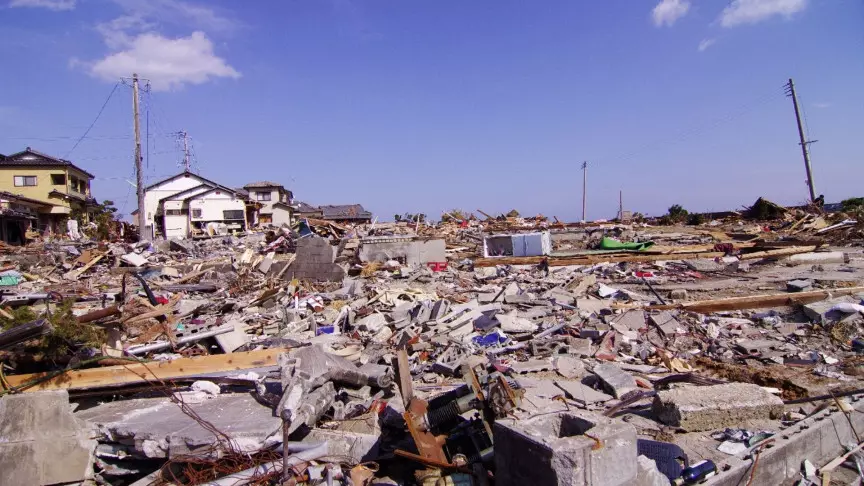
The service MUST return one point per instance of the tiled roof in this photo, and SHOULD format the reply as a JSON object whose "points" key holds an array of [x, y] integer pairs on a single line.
{"points": [[345, 211], [303, 207], [262, 184], [30, 157]]}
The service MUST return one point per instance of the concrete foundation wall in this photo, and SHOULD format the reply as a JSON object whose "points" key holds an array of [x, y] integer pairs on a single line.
{"points": [[415, 253]]}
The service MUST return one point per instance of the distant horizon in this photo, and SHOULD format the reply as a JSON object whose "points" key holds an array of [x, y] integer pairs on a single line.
{"points": [[428, 107]]}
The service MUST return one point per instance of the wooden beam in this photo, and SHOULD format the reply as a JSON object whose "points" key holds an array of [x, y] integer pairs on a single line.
{"points": [[759, 301], [590, 259], [152, 371], [779, 252]]}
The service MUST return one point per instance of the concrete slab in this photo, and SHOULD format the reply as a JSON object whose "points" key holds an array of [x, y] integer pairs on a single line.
{"points": [[698, 408], [41, 442], [159, 429], [583, 394], [615, 380]]}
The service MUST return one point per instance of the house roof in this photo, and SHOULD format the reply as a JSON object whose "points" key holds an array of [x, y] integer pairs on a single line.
{"points": [[345, 211], [253, 185], [184, 174], [303, 207], [220, 188], [186, 191], [31, 158], [18, 197], [71, 195]]}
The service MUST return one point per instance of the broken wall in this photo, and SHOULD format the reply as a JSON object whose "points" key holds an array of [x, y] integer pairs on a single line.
{"points": [[414, 252], [314, 261]]}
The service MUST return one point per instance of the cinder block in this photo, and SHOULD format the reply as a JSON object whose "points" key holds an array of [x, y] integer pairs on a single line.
{"points": [[562, 450]]}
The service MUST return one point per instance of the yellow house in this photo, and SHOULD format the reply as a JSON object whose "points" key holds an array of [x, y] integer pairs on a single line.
{"points": [[61, 184]]}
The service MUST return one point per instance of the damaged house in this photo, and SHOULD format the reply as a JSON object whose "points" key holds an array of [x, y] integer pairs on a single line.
{"points": [[187, 204], [275, 203], [62, 187]]}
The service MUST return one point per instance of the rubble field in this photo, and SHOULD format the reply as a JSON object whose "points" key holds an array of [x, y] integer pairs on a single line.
{"points": [[729, 352]]}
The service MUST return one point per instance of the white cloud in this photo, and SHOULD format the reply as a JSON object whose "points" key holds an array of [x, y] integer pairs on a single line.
{"points": [[179, 12], [55, 5], [667, 12], [741, 12], [706, 43], [168, 63]]}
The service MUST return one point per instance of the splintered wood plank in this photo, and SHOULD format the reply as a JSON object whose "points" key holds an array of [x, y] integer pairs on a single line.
{"points": [[759, 301], [150, 371]]}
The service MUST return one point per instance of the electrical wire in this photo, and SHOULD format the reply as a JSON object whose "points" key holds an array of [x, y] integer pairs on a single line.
{"points": [[94, 121]]}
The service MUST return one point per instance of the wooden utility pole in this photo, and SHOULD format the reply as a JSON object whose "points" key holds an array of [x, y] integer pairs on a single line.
{"points": [[139, 175], [584, 187], [790, 91]]}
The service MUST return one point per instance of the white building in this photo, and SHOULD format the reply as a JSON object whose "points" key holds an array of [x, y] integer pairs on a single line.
{"points": [[184, 204], [275, 201]]}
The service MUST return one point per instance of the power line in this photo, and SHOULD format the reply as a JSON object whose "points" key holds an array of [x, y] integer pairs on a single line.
{"points": [[94, 121]]}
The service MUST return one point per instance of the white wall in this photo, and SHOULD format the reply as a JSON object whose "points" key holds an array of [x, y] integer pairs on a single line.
{"points": [[152, 196], [281, 216], [176, 226], [212, 206]]}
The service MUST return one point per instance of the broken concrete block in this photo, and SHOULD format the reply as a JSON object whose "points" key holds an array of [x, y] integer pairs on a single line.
{"points": [[698, 408], [615, 380], [569, 366], [531, 366], [352, 447], [678, 294], [511, 323], [41, 442], [525, 298], [181, 246], [583, 394], [633, 320], [820, 312], [134, 259], [666, 322], [799, 285], [371, 323], [232, 340], [556, 450], [582, 347], [705, 265], [647, 473]]}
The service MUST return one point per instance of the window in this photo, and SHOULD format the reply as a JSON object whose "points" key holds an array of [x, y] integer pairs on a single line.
{"points": [[58, 179], [21, 181], [262, 196], [82, 186], [176, 212], [196, 213], [234, 214]]}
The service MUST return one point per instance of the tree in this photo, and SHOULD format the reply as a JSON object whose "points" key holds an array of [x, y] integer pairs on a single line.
{"points": [[677, 213], [105, 217]]}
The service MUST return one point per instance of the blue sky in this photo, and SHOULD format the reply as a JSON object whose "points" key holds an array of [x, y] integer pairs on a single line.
{"points": [[428, 105]]}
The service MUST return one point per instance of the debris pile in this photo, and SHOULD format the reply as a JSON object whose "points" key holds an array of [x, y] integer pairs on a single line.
{"points": [[408, 353]]}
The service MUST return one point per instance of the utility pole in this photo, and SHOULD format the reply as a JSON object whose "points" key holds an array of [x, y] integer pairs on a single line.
{"points": [[620, 206], [185, 137], [139, 174], [584, 187], [790, 91]]}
